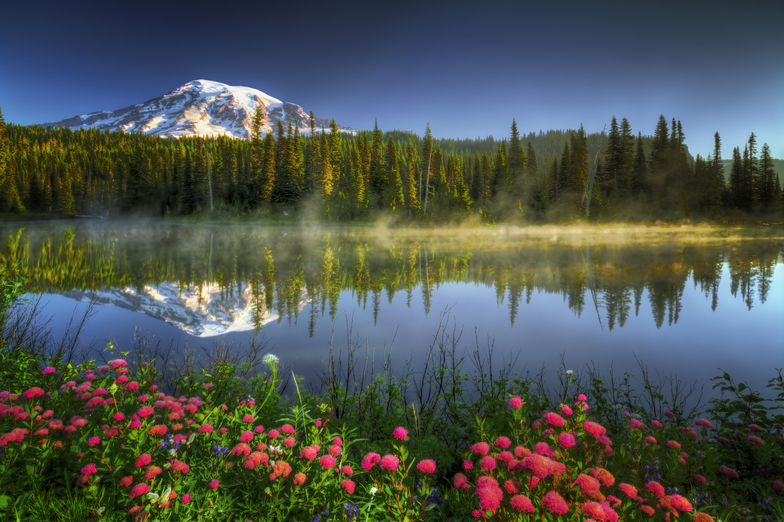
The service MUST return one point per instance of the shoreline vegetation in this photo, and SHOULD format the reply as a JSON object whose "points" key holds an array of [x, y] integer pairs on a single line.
{"points": [[223, 434]]}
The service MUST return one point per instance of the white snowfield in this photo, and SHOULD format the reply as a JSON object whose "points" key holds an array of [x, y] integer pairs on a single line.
{"points": [[201, 311], [200, 107]]}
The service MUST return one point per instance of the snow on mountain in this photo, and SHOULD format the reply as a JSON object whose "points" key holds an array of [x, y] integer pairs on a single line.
{"points": [[200, 107], [202, 311]]}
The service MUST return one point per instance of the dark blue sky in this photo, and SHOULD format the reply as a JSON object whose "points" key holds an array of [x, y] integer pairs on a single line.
{"points": [[467, 68]]}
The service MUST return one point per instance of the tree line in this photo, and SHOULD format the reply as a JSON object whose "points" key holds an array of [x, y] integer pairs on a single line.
{"points": [[544, 177]]}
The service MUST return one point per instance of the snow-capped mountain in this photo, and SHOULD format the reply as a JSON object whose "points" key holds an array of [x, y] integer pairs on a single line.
{"points": [[200, 107], [202, 311]]}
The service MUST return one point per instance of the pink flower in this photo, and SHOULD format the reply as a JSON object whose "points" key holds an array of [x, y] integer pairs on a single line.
{"points": [[48, 370], [673, 444], [370, 460], [542, 448], [755, 441], [348, 485], [327, 461], [506, 456], [755, 427], [241, 449], [669, 415], [152, 472], [177, 465], [461, 482], [522, 503], [288, 429], [467, 464], [487, 463], [636, 424], [594, 429], [247, 418], [246, 436], [490, 497], [503, 442], [117, 417], [582, 397], [259, 429], [704, 423], [566, 410], [126, 481], [140, 489], [299, 478], [310, 452], [554, 419], [145, 411], [427, 466], [122, 379], [205, 428], [92, 441], [588, 485], [700, 480], [481, 447], [273, 434], [516, 402], [728, 472], [117, 363], [389, 462], [33, 392], [214, 484], [656, 424], [347, 470], [629, 490], [655, 488], [337, 441], [143, 460], [88, 470], [400, 433], [290, 441], [136, 424], [566, 440], [158, 430], [555, 503], [649, 441], [186, 498], [318, 423]]}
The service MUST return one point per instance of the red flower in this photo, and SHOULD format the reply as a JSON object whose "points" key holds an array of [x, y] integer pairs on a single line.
{"points": [[299, 478], [348, 485], [289, 442], [126, 481], [555, 503], [516, 402], [427, 466], [214, 484], [186, 498], [400, 433], [554, 419], [152, 472], [597, 430], [503, 442], [522, 503], [728, 472], [347, 470], [158, 430], [655, 488], [140, 489], [328, 461], [629, 490], [389, 462], [88, 470], [145, 411], [481, 447], [205, 428], [370, 460], [143, 460], [33, 392]]}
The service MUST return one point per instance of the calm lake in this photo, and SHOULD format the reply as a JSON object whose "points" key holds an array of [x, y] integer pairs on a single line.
{"points": [[683, 301]]}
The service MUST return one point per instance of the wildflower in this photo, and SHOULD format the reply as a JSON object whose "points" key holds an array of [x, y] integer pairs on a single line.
{"points": [[126, 481], [566, 410], [93, 441], [246, 436], [205, 428], [247, 418], [755, 427], [117, 363], [655, 488], [153, 387], [348, 485], [273, 434], [702, 517], [648, 510], [673, 445], [280, 469], [48, 370], [400, 433], [703, 422], [629, 490], [516, 402], [214, 484], [177, 465], [145, 411], [328, 461], [487, 463], [290, 441], [593, 509], [481, 447], [88, 470], [490, 496], [728, 472], [143, 460], [32, 393], [347, 470], [512, 486], [370, 460], [503, 442], [755, 441], [588, 485], [722, 441], [521, 452], [158, 430], [333, 450], [152, 472], [506, 456], [461, 482], [554, 419], [541, 466], [555, 503], [522, 503], [679, 502], [389, 462], [135, 424], [656, 424], [594, 429], [604, 476], [649, 441], [299, 478], [467, 464], [582, 398], [141, 489], [542, 448], [309, 452], [241, 449], [337, 441], [270, 360]]}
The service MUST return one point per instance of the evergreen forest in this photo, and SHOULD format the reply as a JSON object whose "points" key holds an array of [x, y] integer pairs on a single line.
{"points": [[554, 176]]}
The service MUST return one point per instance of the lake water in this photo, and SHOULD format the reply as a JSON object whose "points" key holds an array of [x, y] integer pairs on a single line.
{"points": [[682, 301]]}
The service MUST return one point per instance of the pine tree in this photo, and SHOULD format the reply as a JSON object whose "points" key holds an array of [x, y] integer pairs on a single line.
{"points": [[256, 181], [336, 151], [517, 165], [9, 194], [412, 175], [313, 161], [378, 173], [498, 183], [326, 179], [639, 170], [393, 189], [627, 165], [767, 192]]}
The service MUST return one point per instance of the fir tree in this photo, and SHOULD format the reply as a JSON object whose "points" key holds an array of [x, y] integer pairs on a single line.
{"points": [[412, 174], [393, 189], [378, 173], [256, 182]]}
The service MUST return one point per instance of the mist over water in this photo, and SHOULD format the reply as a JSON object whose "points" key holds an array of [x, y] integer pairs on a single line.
{"points": [[682, 301]]}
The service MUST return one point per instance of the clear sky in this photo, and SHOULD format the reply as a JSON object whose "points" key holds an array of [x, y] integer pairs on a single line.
{"points": [[467, 68]]}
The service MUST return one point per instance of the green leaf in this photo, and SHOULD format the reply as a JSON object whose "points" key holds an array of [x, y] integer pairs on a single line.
{"points": [[4, 501]]}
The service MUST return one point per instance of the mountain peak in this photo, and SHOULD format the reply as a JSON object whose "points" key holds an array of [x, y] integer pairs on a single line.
{"points": [[199, 107]]}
